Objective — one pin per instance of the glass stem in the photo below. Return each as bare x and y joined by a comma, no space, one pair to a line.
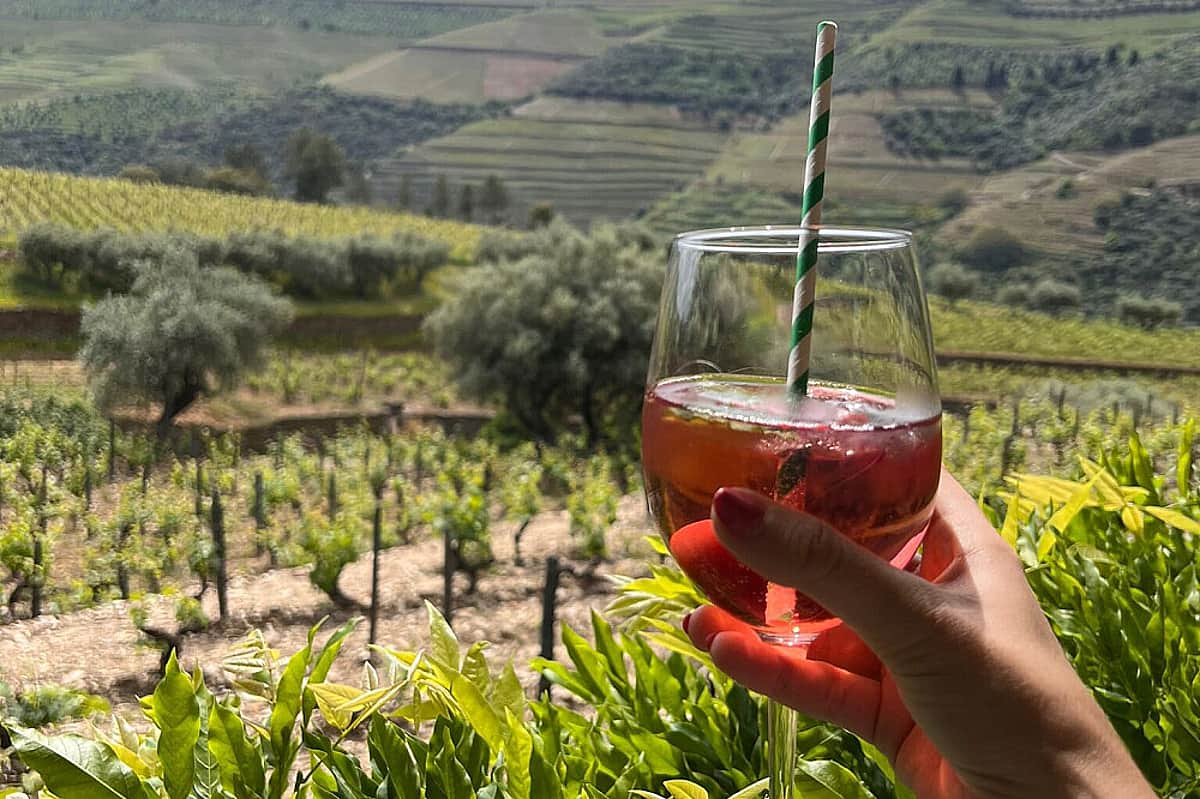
781,750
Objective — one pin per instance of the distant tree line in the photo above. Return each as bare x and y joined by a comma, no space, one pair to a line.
488,202
190,132
1080,100
103,260
716,85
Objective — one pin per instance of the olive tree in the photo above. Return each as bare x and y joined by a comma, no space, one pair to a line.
183,332
562,332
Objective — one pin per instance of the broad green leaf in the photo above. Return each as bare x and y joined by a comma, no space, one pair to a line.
1011,521
388,746
238,759
443,643
1132,518
1045,544
330,651
283,720
325,659
1107,487
518,748
753,791
682,789
1174,518
1183,460
475,667
827,779
177,714
330,698
508,693
1067,513
76,768
207,782
477,712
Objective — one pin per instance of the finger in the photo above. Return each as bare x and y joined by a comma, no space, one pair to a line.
705,622
842,647
886,606
815,689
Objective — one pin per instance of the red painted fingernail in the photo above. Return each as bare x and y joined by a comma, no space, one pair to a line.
739,509
686,620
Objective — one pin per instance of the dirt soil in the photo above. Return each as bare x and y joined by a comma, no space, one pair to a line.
97,649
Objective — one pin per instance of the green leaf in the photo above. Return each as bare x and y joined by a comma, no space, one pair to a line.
405,776
283,720
827,779
76,768
1183,460
475,667
508,693
477,712
208,773
443,643
238,759
752,791
682,789
330,699
1174,518
1012,521
1045,544
518,749
1067,513
177,714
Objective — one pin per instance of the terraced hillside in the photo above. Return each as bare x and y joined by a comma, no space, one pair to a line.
589,160
862,170
507,59
1052,203
41,58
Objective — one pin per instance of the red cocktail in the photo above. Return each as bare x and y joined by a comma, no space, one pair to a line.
855,460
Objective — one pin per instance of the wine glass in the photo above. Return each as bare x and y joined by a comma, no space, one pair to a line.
861,449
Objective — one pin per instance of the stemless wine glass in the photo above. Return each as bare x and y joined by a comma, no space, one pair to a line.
861,450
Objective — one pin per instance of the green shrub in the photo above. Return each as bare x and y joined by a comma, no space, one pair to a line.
1054,296
952,281
993,249
47,704
1148,313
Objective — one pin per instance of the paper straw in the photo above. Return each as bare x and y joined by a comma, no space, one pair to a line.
814,192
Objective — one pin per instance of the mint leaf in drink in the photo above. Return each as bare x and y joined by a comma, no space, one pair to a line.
791,472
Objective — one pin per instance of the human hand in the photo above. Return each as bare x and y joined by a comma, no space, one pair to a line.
954,675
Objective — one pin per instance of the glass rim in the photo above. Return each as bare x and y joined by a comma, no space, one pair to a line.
831,239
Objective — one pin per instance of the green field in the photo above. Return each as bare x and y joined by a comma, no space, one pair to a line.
563,153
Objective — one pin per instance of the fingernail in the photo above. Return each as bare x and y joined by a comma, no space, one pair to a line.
686,620
739,509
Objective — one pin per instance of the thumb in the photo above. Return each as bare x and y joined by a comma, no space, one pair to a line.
886,606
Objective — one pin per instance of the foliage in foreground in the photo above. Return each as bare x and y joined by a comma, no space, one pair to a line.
661,722
1110,554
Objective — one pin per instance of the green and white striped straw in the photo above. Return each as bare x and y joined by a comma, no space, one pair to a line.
814,192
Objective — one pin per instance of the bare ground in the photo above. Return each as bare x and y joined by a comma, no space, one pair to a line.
97,649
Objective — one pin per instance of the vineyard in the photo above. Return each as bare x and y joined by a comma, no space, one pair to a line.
181,550
89,203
